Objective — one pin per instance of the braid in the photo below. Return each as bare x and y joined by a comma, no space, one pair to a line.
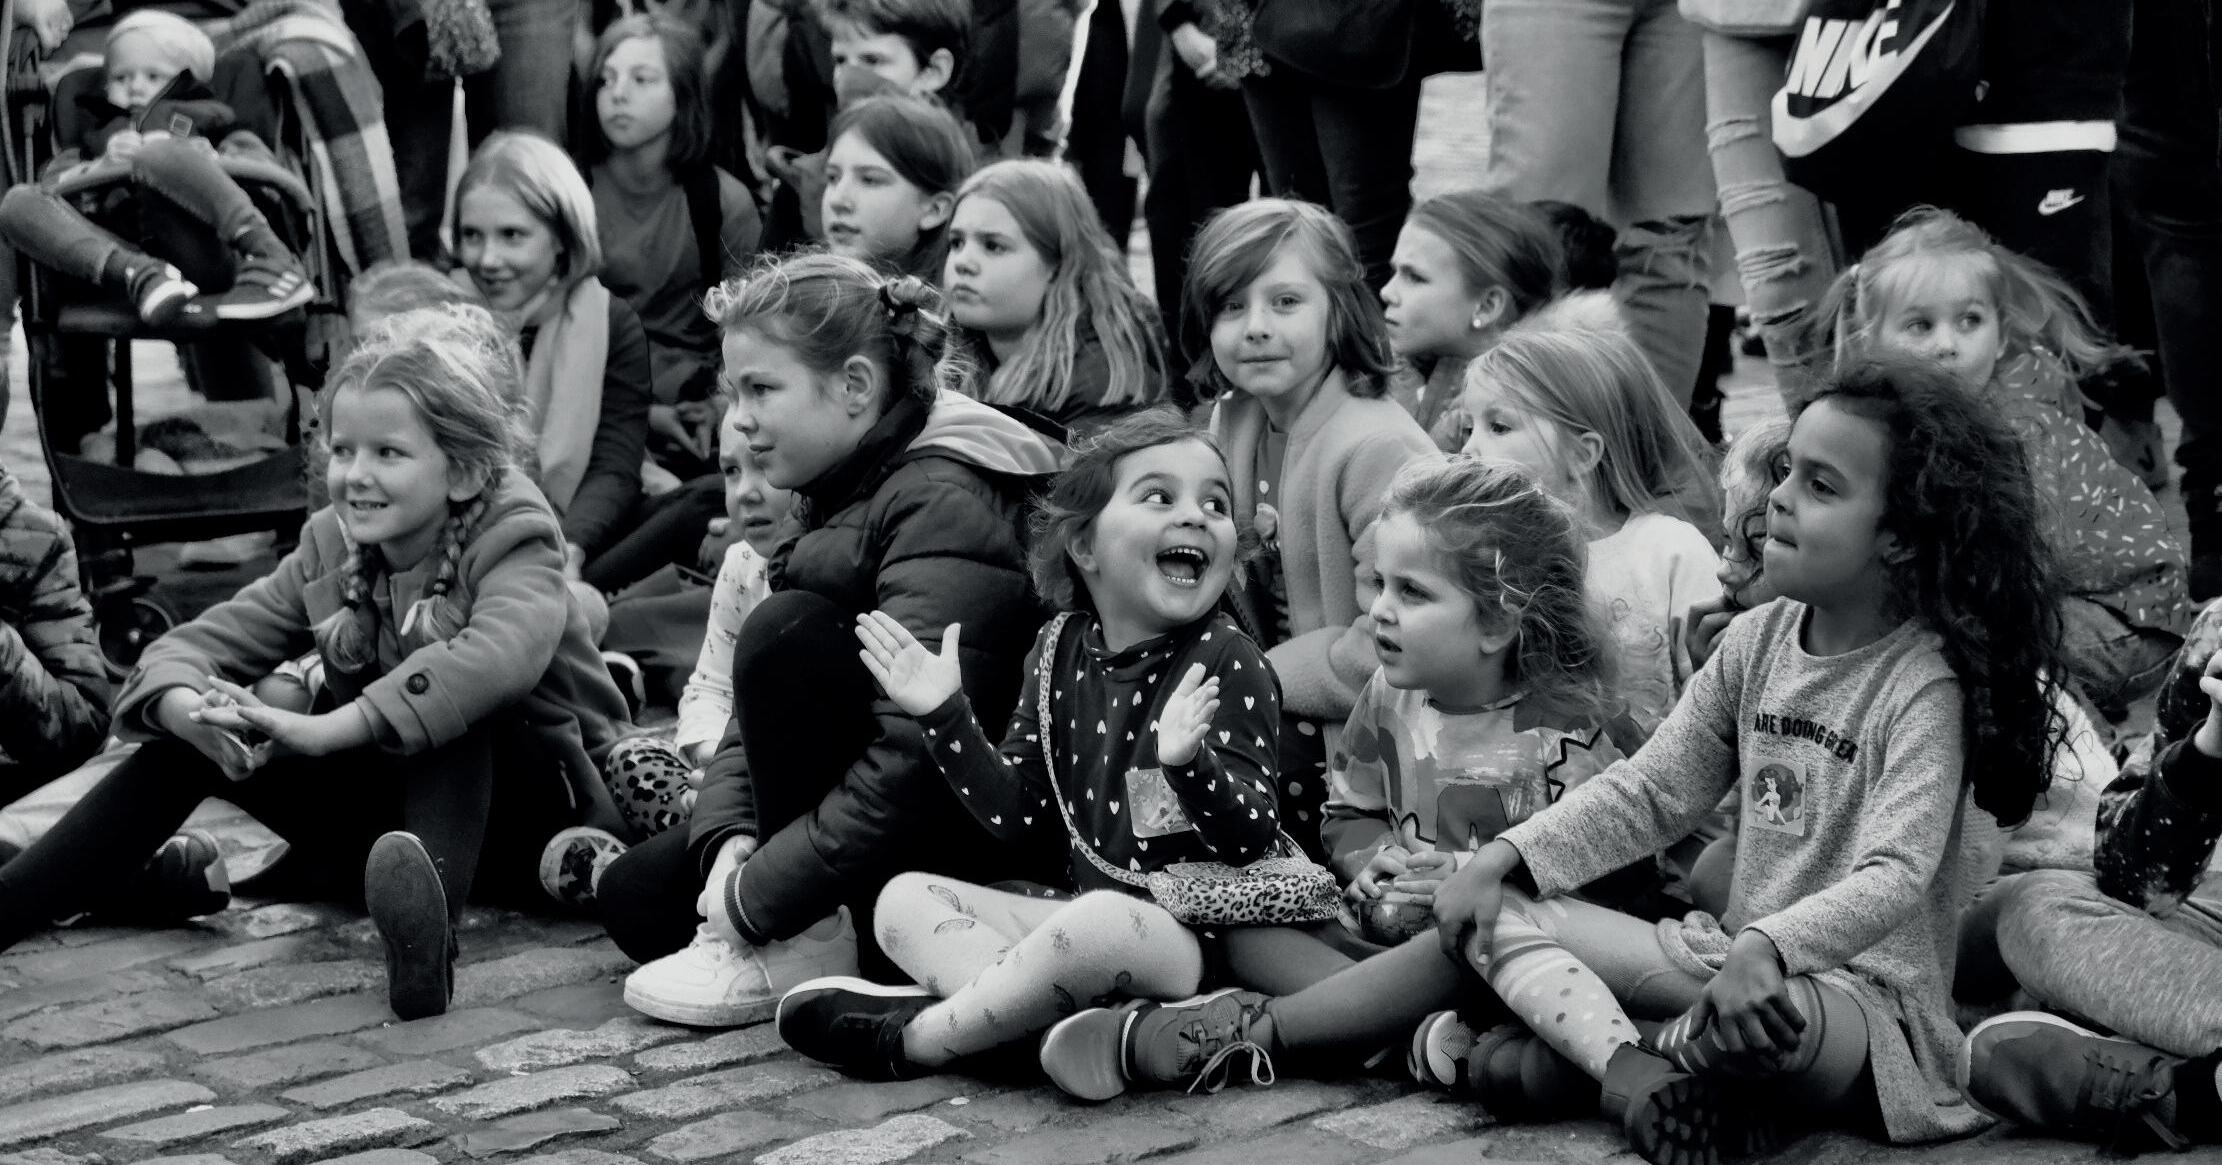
349,639
437,617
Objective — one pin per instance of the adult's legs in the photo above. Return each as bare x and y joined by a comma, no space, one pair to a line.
1280,108
1202,156
1663,193
1365,139
529,88
1784,255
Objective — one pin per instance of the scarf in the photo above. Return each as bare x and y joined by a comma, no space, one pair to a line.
563,381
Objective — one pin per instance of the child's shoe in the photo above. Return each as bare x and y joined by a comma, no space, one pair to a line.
1510,1071
718,983
184,879
1670,1117
572,862
1098,1053
853,1024
264,288
2038,1070
159,290
408,906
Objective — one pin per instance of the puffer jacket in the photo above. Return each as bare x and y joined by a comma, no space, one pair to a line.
53,689
923,522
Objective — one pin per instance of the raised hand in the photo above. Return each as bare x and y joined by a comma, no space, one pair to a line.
1187,716
918,680
2209,737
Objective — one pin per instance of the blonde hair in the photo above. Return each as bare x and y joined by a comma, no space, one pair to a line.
2036,306
1597,381
1088,283
538,174
391,286
182,42
1520,555
459,370
826,308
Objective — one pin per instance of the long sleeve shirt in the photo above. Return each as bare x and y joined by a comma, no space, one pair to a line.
2157,830
1101,758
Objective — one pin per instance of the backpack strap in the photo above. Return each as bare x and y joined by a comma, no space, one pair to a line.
705,212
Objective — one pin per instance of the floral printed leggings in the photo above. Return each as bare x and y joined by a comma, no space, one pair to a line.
1007,965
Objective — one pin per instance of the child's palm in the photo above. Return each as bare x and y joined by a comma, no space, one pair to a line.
1187,716
918,680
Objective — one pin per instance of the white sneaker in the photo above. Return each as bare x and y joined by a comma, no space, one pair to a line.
714,983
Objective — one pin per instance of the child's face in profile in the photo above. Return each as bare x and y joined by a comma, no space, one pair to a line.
137,70
1427,631
1826,544
1948,316
1430,308
867,62
756,506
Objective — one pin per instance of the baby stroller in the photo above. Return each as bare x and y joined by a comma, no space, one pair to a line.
79,342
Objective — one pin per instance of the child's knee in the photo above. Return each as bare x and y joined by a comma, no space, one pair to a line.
905,896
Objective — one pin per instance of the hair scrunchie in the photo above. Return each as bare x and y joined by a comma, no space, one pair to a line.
897,305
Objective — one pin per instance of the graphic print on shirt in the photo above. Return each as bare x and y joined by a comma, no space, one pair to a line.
1156,810
1775,799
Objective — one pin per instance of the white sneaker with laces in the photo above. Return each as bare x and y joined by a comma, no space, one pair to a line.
714,983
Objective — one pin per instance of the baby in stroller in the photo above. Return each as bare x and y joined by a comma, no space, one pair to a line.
157,121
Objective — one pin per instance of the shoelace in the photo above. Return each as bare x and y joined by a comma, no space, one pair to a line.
1213,1076
2122,1084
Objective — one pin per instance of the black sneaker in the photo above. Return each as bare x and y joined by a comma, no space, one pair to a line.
2036,1069
408,905
263,289
185,879
1671,1117
853,1024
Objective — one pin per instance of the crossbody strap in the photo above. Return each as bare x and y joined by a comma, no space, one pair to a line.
1044,672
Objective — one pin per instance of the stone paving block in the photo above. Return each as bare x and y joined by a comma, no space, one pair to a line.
1292,1147
540,1089
40,1119
727,1134
110,1019
78,962
48,1155
530,1130
188,1159
288,983
580,1157
863,1104
1400,1124
247,956
18,1002
1462,1152
285,1066
555,1048
725,1050
1592,1142
895,1139
384,1157
280,918
415,1078
733,1088
1249,1110
580,1005
75,1069
372,1128
283,1025
445,1033
536,970
1126,1137
197,1124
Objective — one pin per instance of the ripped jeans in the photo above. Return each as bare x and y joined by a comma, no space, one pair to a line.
1785,252
1567,77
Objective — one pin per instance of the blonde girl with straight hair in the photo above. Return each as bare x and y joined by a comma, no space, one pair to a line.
1042,302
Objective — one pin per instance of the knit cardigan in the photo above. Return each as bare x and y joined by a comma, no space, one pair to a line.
1342,453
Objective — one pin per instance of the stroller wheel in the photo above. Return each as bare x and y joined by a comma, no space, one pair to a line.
127,627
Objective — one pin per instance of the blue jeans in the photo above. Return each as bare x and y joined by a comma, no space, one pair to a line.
1565,78
530,87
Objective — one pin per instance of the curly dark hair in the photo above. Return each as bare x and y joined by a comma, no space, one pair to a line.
1067,513
1976,569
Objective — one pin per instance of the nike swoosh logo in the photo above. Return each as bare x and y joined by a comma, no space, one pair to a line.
2053,205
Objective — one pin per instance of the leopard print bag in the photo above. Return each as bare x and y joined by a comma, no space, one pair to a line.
1287,889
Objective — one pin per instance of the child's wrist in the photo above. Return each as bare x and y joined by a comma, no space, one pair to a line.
2208,739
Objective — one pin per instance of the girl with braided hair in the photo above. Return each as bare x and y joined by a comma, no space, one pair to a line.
433,588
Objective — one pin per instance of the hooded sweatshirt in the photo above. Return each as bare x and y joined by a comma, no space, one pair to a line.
924,522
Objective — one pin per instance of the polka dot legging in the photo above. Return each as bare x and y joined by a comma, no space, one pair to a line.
1574,972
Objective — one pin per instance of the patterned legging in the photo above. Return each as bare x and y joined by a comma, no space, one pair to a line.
1007,965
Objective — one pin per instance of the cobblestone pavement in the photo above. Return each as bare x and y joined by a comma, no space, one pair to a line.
261,1036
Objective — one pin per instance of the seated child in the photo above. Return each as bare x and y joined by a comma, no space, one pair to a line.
157,121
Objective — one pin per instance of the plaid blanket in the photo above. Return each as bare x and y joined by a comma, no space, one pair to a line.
338,99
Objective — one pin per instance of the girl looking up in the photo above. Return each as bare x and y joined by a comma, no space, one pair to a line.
1467,266
526,235
1160,717
433,588
1288,344
1042,301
